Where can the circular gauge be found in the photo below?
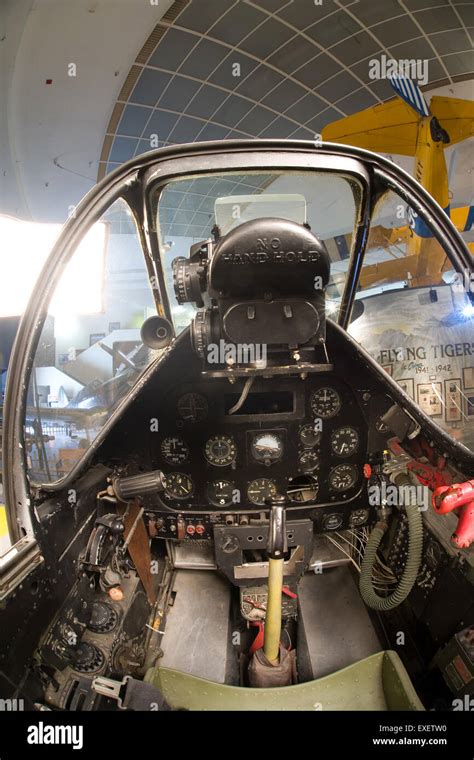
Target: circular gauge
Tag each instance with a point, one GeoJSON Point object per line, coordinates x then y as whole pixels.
{"type": "Point", "coordinates": [342, 477]}
{"type": "Point", "coordinates": [345, 441]}
{"type": "Point", "coordinates": [332, 521]}
{"type": "Point", "coordinates": [325, 403]}
{"type": "Point", "coordinates": [358, 517]}
{"type": "Point", "coordinates": [220, 450]}
{"type": "Point", "coordinates": [178, 485]}
{"type": "Point", "coordinates": [302, 488]}
{"type": "Point", "coordinates": [174, 450]}
{"type": "Point", "coordinates": [309, 436]}
{"type": "Point", "coordinates": [308, 459]}
{"type": "Point", "coordinates": [260, 490]}
{"type": "Point", "coordinates": [220, 493]}
{"type": "Point", "coordinates": [192, 407]}
{"type": "Point", "coordinates": [267, 447]}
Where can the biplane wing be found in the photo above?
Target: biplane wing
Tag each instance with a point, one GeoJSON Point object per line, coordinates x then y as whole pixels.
{"type": "Point", "coordinates": [408, 127]}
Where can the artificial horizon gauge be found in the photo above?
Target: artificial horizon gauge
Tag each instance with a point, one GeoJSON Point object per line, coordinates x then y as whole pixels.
{"type": "Point", "coordinates": [192, 407]}
{"type": "Point", "coordinates": [267, 448]}
{"type": "Point", "coordinates": [342, 477]}
{"type": "Point", "coordinates": [260, 490]}
{"type": "Point", "coordinates": [308, 459]}
{"type": "Point", "coordinates": [325, 403]}
{"type": "Point", "coordinates": [309, 436]}
{"type": "Point", "coordinates": [174, 450]}
{"type": "Point", "coordinates": [220, 450]}
{"type": "Point", "coordinates": [178, 485]}
{"type": "Point", "coordinates": [220, 493]}
{"type": "Point", "coordinates": [345, 441]}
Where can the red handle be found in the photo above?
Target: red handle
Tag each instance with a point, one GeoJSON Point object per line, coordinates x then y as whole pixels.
{"type": "Point", "coordinates": [459, 497]}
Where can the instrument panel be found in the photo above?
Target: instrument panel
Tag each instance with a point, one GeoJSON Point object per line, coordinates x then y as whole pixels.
{"type": "Point", "coordinates": [223, 450]}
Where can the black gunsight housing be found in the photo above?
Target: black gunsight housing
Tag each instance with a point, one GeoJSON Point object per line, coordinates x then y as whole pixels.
{"type": "Point", "coordinates": [264, 282]}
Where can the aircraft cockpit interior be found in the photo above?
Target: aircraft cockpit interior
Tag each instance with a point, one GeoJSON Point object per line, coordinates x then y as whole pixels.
{"type": "Point", "coordinates": [262, 498]}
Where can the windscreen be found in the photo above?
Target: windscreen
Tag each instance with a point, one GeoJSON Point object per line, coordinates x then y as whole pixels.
{"type": "Point", "coordinates": [191, 210]}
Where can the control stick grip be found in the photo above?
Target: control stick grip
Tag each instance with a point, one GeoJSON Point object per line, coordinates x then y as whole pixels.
{"type": "Point", "coordinates": [127, 488]}
{"type": "Point", "coordinates": [277, 543]}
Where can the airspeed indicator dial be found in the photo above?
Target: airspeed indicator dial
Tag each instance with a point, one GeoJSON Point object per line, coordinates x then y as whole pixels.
{"type": "Point", "coordinates": [174, 450]}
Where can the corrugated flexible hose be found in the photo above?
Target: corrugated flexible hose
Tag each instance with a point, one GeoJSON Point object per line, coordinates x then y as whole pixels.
{"type": "Point", "coordinates": [412, 567]}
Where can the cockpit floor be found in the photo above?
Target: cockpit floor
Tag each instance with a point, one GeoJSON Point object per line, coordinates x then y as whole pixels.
{"type": "Point", "coordinates": [197, 628]}
{"type": "Point", "coordinates": [335, 621]}
{"type": "Point", "coordinates": [335, 629]}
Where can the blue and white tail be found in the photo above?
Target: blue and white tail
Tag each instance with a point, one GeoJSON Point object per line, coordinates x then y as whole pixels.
{"type": "Point", "coordinates": [410, 93]}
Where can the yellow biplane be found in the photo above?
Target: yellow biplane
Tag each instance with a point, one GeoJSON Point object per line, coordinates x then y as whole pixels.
{"type": "Point", "coordinates": [406, 126]}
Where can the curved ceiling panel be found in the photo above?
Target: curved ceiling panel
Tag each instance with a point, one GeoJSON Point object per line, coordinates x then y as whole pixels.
{"type": "Point", "coordinates": [220, 69]}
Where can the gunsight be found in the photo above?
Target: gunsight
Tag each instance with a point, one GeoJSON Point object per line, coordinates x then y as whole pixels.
{"type": "Point", "coordinates": [261, 284]}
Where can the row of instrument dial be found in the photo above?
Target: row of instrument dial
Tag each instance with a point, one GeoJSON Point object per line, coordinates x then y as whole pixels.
{"type": "Point", "coordinates": [266, 447]}
{"type": "Point", "coordinates": [224, 493]}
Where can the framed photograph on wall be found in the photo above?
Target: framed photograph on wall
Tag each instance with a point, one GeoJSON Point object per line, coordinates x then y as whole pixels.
{"type": "Point", "coordinates": [407, 384]}
{"type": "Point", "coordinates": [429, 398]}
{"type": "Point", "coordinates": [470, 405]}
{"type": "Point", "coordinates": [453, 399]}
{"type": "Point", "coordinates": [468, 378]}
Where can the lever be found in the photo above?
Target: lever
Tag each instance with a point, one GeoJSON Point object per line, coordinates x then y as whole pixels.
{"type": "Point", "coordinates": [276, 548]}
{"type": "Point", "coordinates": [127, 488]}
{"type": "Point", "coordinates": [458, 497]}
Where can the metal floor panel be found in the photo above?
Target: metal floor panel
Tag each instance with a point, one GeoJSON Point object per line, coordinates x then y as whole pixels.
{"type": "Point", "coordinates": [336, 623]}
{"type": "Point", "coordinates": [197, 629]}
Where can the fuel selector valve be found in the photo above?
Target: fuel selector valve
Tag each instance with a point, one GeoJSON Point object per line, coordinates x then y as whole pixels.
{"type": "Point", "coordinates": [458, 498]}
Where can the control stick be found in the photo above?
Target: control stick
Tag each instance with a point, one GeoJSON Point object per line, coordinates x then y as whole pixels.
{"type": "Point", "coordinates": [276, 548]}
{"type": "Point", "coordinates": [273, 665]}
